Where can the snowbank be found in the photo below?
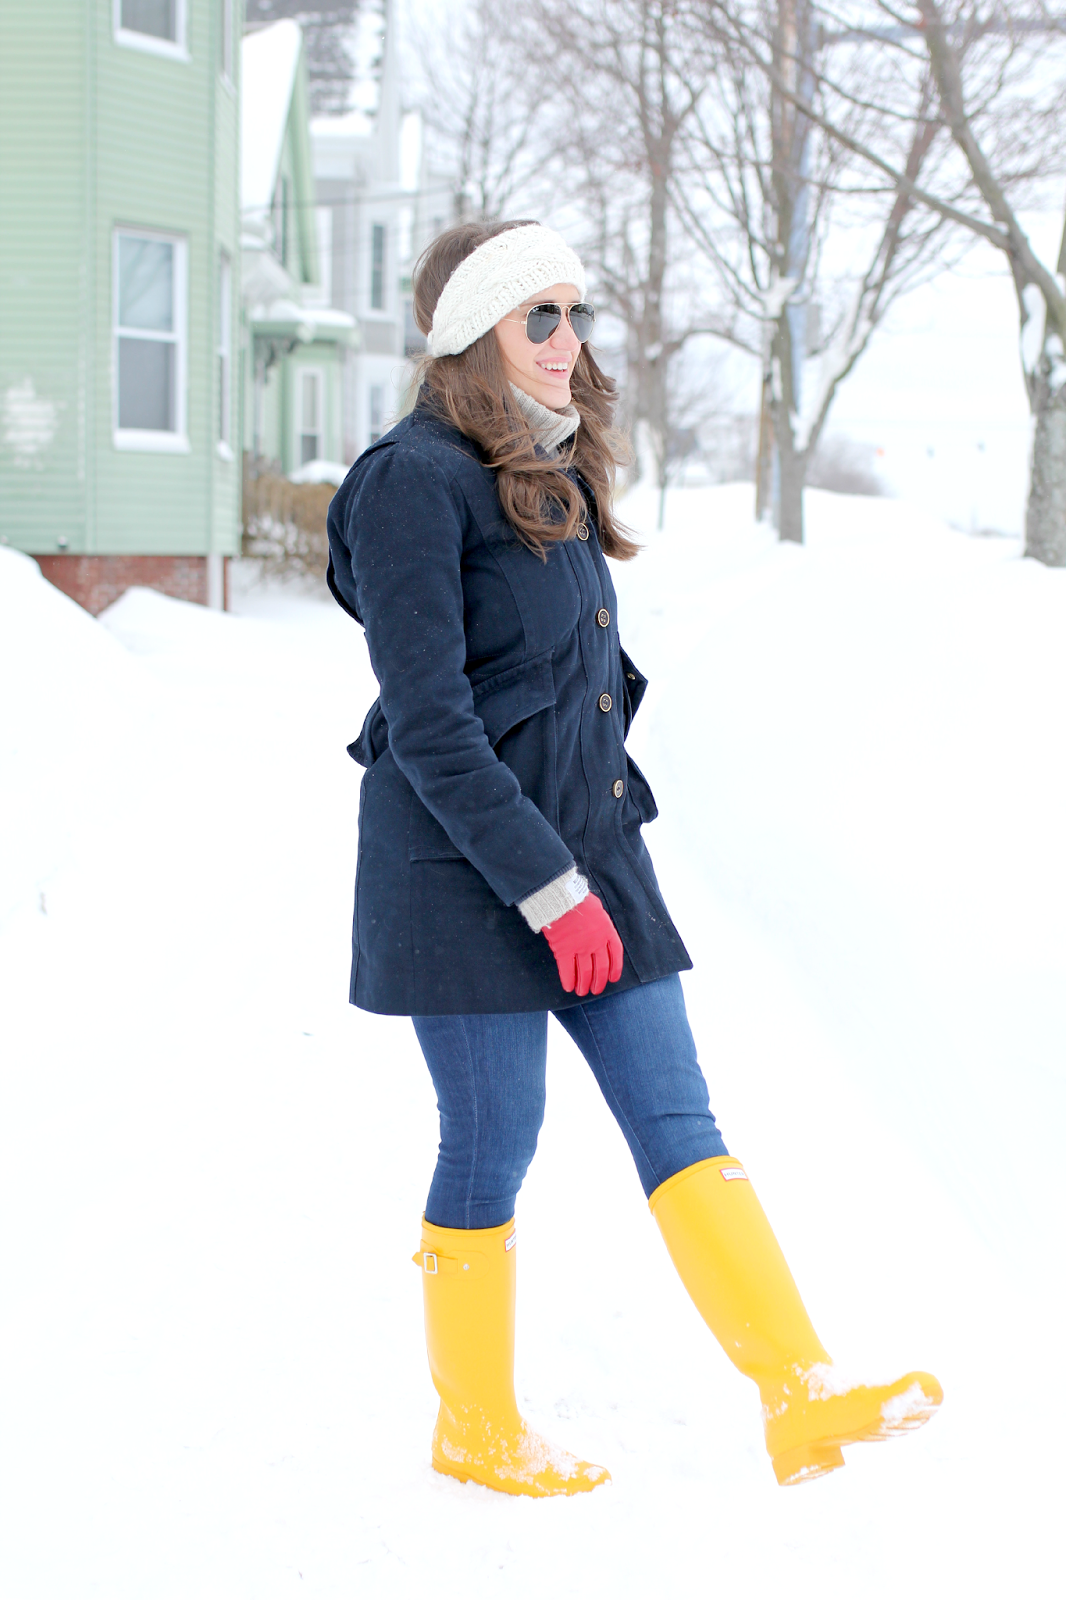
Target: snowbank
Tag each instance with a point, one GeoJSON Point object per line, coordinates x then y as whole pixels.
{"type": "Point", "coordinates": [862, 737]}
{"type": "Point", "coordinates": [72, 700]}
{"type": "Point", "coordinates": [211, 1169]}
{"type": "Point", "coordinates": [333, 472]}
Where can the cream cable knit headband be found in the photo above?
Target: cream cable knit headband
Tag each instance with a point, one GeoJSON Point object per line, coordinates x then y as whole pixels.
{"type": "Point", "coordinates": [495, 278]}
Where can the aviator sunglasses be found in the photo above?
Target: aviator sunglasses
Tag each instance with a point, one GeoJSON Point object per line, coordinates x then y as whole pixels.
{"type": "Point", "coordinates": [541, 321]}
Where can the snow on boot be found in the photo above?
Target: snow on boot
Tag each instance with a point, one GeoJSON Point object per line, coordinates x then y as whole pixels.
{"type": "Point", "coordinates": [729, 1261]}
{"type": "Point", "coordinates": [819, 1404]}
{"type": "Point", "coordinates": [468, 1281]}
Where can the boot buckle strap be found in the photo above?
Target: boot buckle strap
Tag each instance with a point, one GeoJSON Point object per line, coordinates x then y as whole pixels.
{"type": "Point", "coordinates": [434, 1265]}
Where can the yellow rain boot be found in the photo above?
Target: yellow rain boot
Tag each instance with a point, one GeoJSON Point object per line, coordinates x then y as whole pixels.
{"type": "Point", "coordinates": [732, 1266]}
{"type": "Point", "coordinates": [468, 1282]}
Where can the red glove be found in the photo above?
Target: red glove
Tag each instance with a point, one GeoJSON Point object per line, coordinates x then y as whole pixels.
{"type": "Point", "coordinates": [586, 947]}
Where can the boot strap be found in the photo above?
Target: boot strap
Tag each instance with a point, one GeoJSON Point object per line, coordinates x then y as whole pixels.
{"type": "Point", "coordinates": [434, 1265]}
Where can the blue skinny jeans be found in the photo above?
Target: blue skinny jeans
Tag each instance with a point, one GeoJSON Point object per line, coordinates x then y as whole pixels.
{"type": "Point", "coordinates": [489, 1072]}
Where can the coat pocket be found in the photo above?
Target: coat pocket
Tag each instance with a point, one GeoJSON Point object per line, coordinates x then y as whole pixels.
{"type": "Point", "coordinates": [634, 684]}
{"type": "Point", "coordinates": [510, 697]}
{"type": "Point", "coordinates": [506, 703]}
{"type": "Point", "coordinates": [640, 792]}
{"type": "Point", "coordinates": [373, 741]}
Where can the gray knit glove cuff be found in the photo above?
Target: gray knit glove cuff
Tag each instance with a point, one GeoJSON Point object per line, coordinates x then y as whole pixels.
{"type": "Point", "coordinates": [555, 899]}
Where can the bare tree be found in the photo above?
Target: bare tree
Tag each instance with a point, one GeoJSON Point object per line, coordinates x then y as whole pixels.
{"type": "Point", "coordinates": [994, 158]}
{"type": "Point", "coordinates": [808, 253]}
{"type": "Point", "coordinates": [477, 102]}
{"type": "Point", "coordinates": [1000, 97]}
{"type": "Point", "coordinates": [621, 101]}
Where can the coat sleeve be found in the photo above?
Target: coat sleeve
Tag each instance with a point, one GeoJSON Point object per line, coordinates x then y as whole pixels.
{"type": "Point", "coordinates": [404, 536]}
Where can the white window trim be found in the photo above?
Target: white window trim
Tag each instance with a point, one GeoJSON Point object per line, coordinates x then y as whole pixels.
{"type": "Point", "coordinates": [174, 50]}
{"type": "Point", "coordinates": [153, 440]}
{"type": "Point", "coordinates": [150, 442]}
{"type": "Point", "coordinates": [297, 410]}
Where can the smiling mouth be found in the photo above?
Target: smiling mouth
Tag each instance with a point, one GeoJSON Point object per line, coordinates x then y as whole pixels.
{"type": "Point", "coordinates": [554, 366]}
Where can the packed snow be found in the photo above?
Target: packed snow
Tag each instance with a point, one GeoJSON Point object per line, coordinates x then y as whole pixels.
{"type": "Point", "coordinates": [212, 1168]}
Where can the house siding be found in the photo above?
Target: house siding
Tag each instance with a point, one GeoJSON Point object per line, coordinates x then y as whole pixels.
{"type": "Point", "coordinates": [46, 276]}
{"type": "Point", "coordinates": [94, 136]}
{"type": "Point", "coordinates": [226, 479]}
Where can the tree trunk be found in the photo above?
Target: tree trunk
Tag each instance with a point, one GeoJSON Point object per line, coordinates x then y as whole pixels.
{"type": "Point", "coordinates": [789, 463]}
{"type": "Point", "coordinates": [792, 467]}
{"type": "Point", "coordinates": [764, 459]}
{"type": "Point", "coordinates": [792, 47]}
{"type": "Point", "coordinates": [1045, 517]}
{"type": "Point", "coordinates": [651, 388]}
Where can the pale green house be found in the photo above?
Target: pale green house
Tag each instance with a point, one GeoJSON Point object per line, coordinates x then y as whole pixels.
{"type": "Point", "coordinates": [120, 405]}
{"type": "Point", "coordinates": [296, 343]}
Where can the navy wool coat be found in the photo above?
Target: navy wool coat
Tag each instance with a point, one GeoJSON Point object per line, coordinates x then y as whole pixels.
{"type": "Point", "coordinates": [495, 754]}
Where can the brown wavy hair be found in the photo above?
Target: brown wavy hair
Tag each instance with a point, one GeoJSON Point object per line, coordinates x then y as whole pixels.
{"type": "Point", "coordinates": [471, 392]}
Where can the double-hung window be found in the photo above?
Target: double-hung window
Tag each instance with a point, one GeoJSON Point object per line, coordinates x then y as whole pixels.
{"type": "Point", "coordinates": [377, 267]}
{"type": "Point", "coordinates": [310, 402]}
{"type": "Point", "coordinates": [158, 26]}
{"type": "Point", "coordinates": [150, 354]}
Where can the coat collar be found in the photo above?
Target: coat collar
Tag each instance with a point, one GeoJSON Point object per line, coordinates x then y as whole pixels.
{"type": "Point", "coordinates": [423, 420]}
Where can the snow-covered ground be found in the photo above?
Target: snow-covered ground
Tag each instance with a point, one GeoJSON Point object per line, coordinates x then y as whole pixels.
{"type": "Point", "coordinates": [211, 1168]}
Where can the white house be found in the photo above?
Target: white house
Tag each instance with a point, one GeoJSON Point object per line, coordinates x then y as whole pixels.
{"type": "Point", "coordinates": [379, 202]}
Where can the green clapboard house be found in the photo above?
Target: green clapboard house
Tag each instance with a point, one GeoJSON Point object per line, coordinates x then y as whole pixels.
{"type": "Point", "coordinates": [295, 342]}
{"type": "Point", "coordinates": [120, 360]}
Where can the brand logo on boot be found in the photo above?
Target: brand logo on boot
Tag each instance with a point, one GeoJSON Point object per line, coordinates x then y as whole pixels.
{"type": "Point", "coordinates": [508, 1244]}
{"type": "Point", "coordinates": [729, 1173]}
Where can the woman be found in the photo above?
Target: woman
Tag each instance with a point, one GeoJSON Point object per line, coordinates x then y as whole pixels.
{"type": "Point", "coordinates": [502, 874]}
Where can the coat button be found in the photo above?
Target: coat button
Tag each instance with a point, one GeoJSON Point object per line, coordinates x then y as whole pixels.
{"type": "Point", "coordinates": [606, 702]}
{"type": "Point", "coordinates": [619, 789]}
{"type": "Point", "coordinates": [582, 532]}
{"type": "Point", "coordinates": [603, 617]}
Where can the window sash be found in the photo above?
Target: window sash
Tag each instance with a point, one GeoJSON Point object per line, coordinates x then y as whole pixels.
{"type": "Point", "coordinates": [310, 409]}
{"type": "Point", "coordinates": [377, 411]}
{"type": "Point", "coordinates": [309, 401]}
{"type": "Point", "coordinates": [149, 362]}
{"type": "Point", "coordinates": [146, 385]}
{"type": "Point", "coordinates": [156, 18]}
{"type": "Point", "coordinates": [377, 267]}
{"type": "Point", "coordinates": [159, 27]}
{"type": "Point", "coordinates": [137, 292]}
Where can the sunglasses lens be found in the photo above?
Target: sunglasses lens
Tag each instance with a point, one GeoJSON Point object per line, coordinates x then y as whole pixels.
{"type": "Point", "coordinates": [542, 322]}
{"type": "Point", "coordinates": [582, 318]}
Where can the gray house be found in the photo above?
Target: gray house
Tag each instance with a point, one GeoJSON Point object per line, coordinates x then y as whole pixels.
{"type": "Point", "coordinates": [379, 202]}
